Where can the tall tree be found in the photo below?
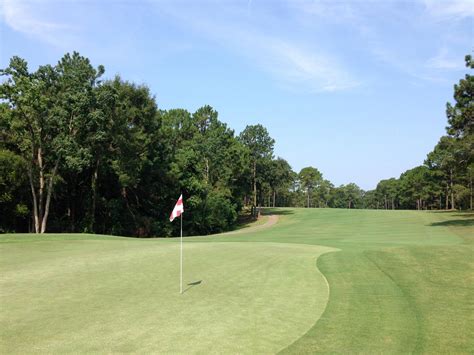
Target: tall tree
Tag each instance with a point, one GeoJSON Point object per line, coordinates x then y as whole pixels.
{"type": "Point", "coordinates": [260, 146]}
{"type": "Point", "coordinates": [416, 187]}
{"type": "Point", "coordinates": [49, 109]}
{"type": "Point", "coordinates": [387, 191]}
{"type": "Point", "coordinates": [280, 177]}
{"type": "Point", "coordinates": [461, 114]}
{"type": "Point", "coordinates": [353, 195]}
{"type": "Point", "coordinates": [448, 157]}
{"type": "Point", "coordinates": [324, 192]}
{"type": "Point", "coordinates": [208, 164]}
{"type": "Point", "coordinates": [310, 178]}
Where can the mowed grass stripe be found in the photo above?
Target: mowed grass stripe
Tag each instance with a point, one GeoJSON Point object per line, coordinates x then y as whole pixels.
{"type": "Point", "coordinates": [402, 283]}
{"type": "Point", "coordinates": [107, 296]}
{"type": "Point", "coordinates": [366, 312]}
{"type": "Point", "coordinates": [393, 322]}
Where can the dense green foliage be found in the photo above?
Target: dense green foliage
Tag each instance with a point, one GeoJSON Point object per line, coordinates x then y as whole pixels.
{"type": "Point", "coordinates": [80, 154]}
{"type": "Point", "coordinates": [100, 157]}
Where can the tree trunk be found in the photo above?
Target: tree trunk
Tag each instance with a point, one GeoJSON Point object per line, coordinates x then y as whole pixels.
{"type": "Point", "coordinates": [41, 209]}
{"type": "Point", "coordinates": [255, 184]}
{"type": "Point", "coordinates": [41, 189]}
{"type": "Point", "coordinates": [307, 203]}
{"type": "Point", "coordinates": [470, 183]}
{"type": "Point", "coordinates": [452, 192]}
{"type": "Point", "coordinates": [274, 197]}
{"type": "Point", "coordinates": [48, 198]}
{"type": "Point", "coordinates": [207, 170]}
{"type": "Point", "coordinates": [446, 205]}
{"type": "Point", "coordinates": [94, 196]}
{"type": "Point", "coordinates": [35, 203]}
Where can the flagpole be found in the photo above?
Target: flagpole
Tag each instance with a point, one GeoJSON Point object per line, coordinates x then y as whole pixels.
{"type": "Point", "coordinates": [181, 259]}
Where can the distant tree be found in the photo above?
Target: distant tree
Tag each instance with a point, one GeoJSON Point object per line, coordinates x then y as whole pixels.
{"type": "Point", "coordinates": [324, 192]}
{"type": "Point", "coordinates": [310, 178]}
{"type": "Point", "coordinates": [260, 145]}
{"type": "Point", "coordinates": [371, 199]}
{"type": "Point", "coordinates": [353, 195]}
{"type": "Point", "coordinates": [347, 196]}
{"type": "Point", "coordinates": [387, 190]}
{"type": "Point", "coordinates": [448, 157]}
{"type": "Point", "coordinates": [416, 187]}
{"type": "Point", "coordinates": [280, 177]}
{"type": "Point", "coordinates": [470, 174]}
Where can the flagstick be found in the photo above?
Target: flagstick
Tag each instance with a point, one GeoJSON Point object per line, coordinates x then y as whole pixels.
{"type": "Point", "coordinates": [181, 259]}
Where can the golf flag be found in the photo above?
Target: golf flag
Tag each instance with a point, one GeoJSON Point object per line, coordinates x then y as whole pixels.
{"type": "Point", "coordinates": [178, 209]}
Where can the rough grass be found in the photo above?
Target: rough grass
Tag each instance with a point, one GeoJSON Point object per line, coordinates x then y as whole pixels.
{"type": "Point", "coordinates": [400, 282]}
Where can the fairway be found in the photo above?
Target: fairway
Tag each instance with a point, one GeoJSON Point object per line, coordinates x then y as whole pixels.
{"type": "Point", "coordinates": [399, 281]}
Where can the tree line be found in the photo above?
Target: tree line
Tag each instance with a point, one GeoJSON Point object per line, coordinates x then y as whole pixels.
{"type": "Point", "coordinates": [445, 179]}
{"type": "Point", "coordinates": [82, 154]}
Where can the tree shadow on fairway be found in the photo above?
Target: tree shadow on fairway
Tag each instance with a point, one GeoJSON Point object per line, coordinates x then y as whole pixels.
{"type": "Point", "coordinates": [464, 215]}
{"type": "Point", "coordinates": [192, 284]}
{"type": "Point", "coordinates": [454, 213]}
{"type": "Point", "coordinates": [454, 223]}
{"type": "Point", "coordinates": [266, 211]}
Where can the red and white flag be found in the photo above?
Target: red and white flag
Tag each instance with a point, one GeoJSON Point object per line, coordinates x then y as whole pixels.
{"type": "Point", "coordinates": [178, 209]}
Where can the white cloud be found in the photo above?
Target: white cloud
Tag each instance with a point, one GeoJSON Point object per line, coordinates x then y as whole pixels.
{"type": "Point", "coordinates": [316, 71]}
{"type": "Point", "coordinates": [328, 10]}
{"type": "Point", "coordinates": [451, 9]}
{"type": "Point", "coordinates": [22, 17]}
{"type": "Point", "coordinates": [443, 61]}
{"type": "Point", "coordinates": [289, 61]}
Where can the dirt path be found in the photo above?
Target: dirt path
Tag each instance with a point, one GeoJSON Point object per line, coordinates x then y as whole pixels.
{"type": "Point", "coordinates": [272, 219]}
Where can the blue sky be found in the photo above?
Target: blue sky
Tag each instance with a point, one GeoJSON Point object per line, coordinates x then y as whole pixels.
{"type": "Point", "coordinates": [355, 88]}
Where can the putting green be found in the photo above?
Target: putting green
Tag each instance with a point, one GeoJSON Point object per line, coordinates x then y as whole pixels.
{"type": "Point", "coordinates": [122, 295]}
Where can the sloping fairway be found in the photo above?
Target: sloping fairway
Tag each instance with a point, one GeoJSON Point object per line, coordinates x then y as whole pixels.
{"type": "Point", "coordinates": [399, 282]}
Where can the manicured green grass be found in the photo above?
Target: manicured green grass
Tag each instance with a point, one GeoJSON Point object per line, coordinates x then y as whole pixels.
{"type": "Point", "coordinates": [121, 295]}
{"type": "Point", "coordinates": [399, 282]}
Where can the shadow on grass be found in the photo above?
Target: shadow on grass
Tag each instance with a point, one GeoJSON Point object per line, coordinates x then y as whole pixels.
{"type": "Point", "coordinates": [464, 215]}
{"type": "Point", "coordinates": [266, 211]}
{"type": "Point", "coordinates": [454, 223]}
{"type": "Point", "coordinates": [456, 213]}
{"type": "Point", "coordinates": [192, 284]}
